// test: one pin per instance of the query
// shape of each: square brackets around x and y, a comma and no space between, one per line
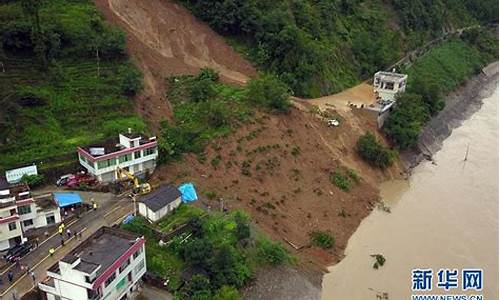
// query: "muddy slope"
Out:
[278,167]
[164,39]
[460,105]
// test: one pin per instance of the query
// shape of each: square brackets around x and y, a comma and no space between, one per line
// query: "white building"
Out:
[19,212]
[132,152]
[387,84]
[160,202]
[107,265]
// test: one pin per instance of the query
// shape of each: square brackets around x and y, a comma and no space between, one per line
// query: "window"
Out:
[12,226]
[25,209]
[139,267]
[124,265]
[137,154]
[124,158]
[106,163]
[389,85]
[139,251]
[51,219]
[149,151]
[109,280]
[27,223]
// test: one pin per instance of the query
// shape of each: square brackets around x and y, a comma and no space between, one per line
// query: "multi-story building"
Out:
[10,226]
[107,265]
[387,84]
[19,212]
[132,152]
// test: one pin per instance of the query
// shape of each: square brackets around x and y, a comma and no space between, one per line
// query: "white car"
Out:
[333,122]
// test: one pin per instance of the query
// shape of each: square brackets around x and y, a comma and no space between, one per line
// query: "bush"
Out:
[227,293]
[131,82]
[16,37]
[341,181]
[322,239]
[268,91]
[33,180]
[404,124]
[373,152]
[271,253]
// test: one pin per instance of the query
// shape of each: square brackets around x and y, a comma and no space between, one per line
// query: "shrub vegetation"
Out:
[322,239]
[55,94]
[217,247]
[373,152]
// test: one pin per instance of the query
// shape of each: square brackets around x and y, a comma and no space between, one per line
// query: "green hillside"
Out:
[52,93]
[323,46]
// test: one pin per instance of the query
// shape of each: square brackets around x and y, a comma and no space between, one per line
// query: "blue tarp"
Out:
[188,192]
[67,199]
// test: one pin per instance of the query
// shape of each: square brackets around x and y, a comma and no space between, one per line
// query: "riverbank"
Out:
[457,197]
[461,104]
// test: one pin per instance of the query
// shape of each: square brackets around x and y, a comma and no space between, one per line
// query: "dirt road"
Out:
[164,39]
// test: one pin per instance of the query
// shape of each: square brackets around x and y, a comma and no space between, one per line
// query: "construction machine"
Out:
[138,188]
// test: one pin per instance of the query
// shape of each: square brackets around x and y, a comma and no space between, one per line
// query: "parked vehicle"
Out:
[17,252]
[11,251]
[80,178]
[333,122]
[63,179]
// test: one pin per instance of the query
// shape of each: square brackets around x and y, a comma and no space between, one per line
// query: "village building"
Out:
[20,212]
[388,84]
[108,265]
[135,153]
[160,202]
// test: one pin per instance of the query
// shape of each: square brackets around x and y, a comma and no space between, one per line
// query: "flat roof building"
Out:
[132,152]
[387,84]
[107,265]
[20,212]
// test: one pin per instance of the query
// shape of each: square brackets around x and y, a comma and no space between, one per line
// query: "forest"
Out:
[319,47]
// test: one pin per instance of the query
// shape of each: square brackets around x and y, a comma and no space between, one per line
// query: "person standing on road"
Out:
[68,232]
[33,277]
[60,230]
[36,242]
[94,205]
[10,275]
[51,251]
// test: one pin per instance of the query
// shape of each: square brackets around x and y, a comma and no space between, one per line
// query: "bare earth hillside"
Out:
[278,167]
[164,39]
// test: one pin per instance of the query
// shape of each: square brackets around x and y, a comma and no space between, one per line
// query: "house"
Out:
[387,84]
[108,265]
[20,212]
[132,152]
[10,223]
[160,202]
[38,212]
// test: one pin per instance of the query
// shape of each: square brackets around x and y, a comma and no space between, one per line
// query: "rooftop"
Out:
[102,248]
[113,145]
[4,184]
[390,75]
[46,202]
[161,197]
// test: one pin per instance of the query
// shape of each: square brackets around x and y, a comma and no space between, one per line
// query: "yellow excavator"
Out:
[140,189]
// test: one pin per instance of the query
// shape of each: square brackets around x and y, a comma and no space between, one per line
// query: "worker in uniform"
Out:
[51,251]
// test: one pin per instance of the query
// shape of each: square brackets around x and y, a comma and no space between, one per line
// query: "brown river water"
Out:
[444,216]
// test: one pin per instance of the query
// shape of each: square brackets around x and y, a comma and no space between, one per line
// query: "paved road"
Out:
[39,260]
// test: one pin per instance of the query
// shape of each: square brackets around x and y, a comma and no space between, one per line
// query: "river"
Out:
[444,216]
